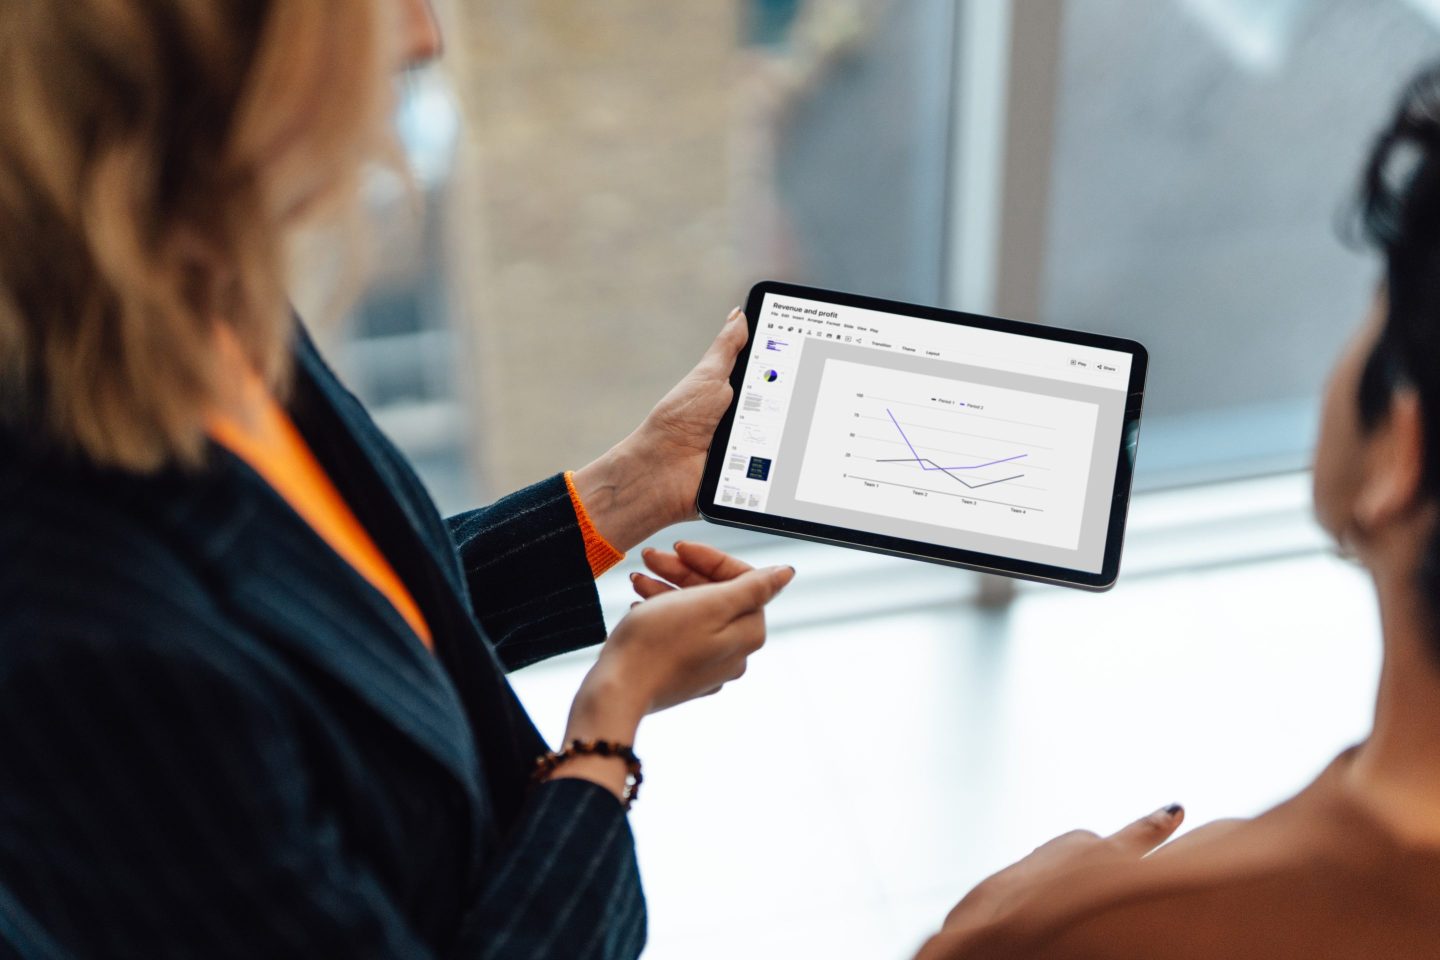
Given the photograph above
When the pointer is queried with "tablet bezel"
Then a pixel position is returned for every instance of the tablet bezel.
(915, 549)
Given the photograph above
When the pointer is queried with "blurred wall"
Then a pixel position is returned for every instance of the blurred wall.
(592, 238)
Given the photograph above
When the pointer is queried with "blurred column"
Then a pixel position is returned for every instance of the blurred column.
(599, 264)
(1002, 135)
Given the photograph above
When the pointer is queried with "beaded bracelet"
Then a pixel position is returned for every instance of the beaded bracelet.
(546, 764)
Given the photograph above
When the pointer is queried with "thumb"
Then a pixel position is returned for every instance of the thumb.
(751, 591)
(731, 339)
(1147, 833)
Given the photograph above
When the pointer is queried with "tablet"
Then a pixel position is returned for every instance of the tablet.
(984, 443)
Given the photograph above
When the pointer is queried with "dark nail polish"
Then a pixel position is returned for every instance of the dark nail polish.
(1174, 809)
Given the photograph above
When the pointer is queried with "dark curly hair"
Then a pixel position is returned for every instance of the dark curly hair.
(1399, 214)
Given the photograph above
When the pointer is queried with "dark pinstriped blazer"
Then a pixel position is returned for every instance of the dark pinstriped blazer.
(217, 740)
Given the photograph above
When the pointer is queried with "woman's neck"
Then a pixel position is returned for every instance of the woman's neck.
(1396, 773)
(242, 395)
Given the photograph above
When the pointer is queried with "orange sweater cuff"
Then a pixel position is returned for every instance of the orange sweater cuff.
(598, 551)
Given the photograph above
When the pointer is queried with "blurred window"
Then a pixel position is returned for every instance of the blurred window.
(1205, 151)
(631, 169)
(400, 348)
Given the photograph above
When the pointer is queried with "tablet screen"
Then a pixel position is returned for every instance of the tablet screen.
(916, 429)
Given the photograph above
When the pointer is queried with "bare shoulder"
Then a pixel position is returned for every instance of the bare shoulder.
(1240, 888)
(1190, 899)
(1209, 837)
(1220, 890)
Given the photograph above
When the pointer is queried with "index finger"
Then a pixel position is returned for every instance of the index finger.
(709, 562)
(1147, 833)
(750, 591)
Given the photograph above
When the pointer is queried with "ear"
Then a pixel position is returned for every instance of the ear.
(1395, 465)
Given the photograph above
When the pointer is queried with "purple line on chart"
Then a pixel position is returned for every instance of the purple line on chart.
(932, 465)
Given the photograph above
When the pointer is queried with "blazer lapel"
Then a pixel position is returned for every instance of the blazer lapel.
(398, 513)
(287, 585)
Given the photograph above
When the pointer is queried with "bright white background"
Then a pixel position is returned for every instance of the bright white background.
(894, 742)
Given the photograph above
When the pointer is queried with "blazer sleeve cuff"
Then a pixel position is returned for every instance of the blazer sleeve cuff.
(528, 574)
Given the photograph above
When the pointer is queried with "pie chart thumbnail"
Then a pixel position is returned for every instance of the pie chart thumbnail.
(771, 376)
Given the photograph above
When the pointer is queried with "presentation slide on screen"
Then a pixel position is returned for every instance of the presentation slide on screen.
(986, 441)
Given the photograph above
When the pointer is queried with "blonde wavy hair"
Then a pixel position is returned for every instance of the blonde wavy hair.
(157, 159)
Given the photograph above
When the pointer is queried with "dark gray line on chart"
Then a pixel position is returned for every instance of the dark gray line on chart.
(946, 470)
(962, 433)
(1029, 465)
(1018, 486)
(944, 493)
(966, 413)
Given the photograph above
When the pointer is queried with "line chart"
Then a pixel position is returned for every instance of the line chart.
(1016, 462)
(927, 464)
